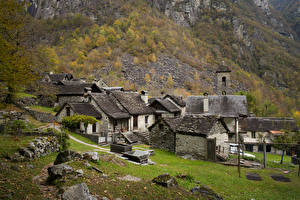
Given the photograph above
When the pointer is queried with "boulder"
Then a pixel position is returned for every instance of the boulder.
(137, 156)
(207, 192)
(66, 156)
(79, 172)
(92, 156)
(78, 192)
(165, 180)
(59, 171)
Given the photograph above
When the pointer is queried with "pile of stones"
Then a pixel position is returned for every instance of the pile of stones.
(40, 146)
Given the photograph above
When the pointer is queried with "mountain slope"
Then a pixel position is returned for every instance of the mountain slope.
(290, 10)
(172, 44)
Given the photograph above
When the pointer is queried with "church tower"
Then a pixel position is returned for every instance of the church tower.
(223, 79)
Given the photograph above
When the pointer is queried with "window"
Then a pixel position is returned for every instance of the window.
(94, 128)
(253, 134)
(68, 109)
(224, 81)
(146, 119)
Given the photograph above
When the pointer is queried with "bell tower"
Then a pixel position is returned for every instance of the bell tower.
(223, 79)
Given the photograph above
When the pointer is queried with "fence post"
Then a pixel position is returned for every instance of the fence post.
(265, 154)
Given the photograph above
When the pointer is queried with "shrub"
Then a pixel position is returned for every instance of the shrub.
(62, 137)
(72, 122)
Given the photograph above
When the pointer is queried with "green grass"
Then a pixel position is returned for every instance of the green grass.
(75, 146)
(23, 95)
(10, 144)
(43, 109)
(222, 179)
(273, 160)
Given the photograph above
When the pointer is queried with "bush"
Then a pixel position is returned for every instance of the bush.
(62, 137)
(72, 122)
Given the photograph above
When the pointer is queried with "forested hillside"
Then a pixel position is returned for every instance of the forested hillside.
(290, 10)
(165, 46)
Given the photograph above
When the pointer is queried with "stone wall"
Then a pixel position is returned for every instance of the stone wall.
(41, 116)
(92, 137)
(196, 146)
(162, 137)
(219, 132)
(40, 146)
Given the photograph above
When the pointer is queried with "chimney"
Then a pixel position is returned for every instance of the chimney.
(144, 96)
(205, 103)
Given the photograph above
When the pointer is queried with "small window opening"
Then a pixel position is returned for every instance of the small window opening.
(68, 111)
(224, 81)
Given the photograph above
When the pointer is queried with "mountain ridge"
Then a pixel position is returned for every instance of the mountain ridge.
(263, 57)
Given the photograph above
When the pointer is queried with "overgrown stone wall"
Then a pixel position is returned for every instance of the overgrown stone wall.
(196, 146)
(162, 137)
(40, 146)
(41, 116)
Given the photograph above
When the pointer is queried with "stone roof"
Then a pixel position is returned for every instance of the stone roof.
(222, 106)
(109, 107)
(77, 89)
(177, 99)
(267, 124)
(167, 104)
(132, 102)
(223, 68)
(191, 125)
(82, 109)
(85, 109)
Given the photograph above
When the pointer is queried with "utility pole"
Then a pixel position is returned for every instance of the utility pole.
(265, 154)
(238, 142)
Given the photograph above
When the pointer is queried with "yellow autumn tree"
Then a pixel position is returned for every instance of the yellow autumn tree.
(15, 67)
(170, 82)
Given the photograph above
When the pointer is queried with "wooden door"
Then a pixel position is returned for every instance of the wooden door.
(211, 149)
(135, 122)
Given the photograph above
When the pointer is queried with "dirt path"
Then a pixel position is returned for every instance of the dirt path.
(47, 191)
(91, 145)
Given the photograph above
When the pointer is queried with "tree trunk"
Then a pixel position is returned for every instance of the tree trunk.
(9, 96)
(281, 161)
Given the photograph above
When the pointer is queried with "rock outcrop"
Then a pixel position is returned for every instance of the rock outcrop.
(59, 171)
(78, 192)
(165, 180)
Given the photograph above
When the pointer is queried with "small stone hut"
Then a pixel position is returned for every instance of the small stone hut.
(196, 136)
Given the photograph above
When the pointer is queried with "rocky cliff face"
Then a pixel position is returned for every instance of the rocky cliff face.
(188, 12)
(264, 5)
(94, 9)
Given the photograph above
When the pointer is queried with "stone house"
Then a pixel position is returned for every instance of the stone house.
(196, 136)
(70, 93)
(268, 128)
(229, 108)
(165, 108)
(136, 105)
(114, 118)
(168, 106)
(70, 109)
